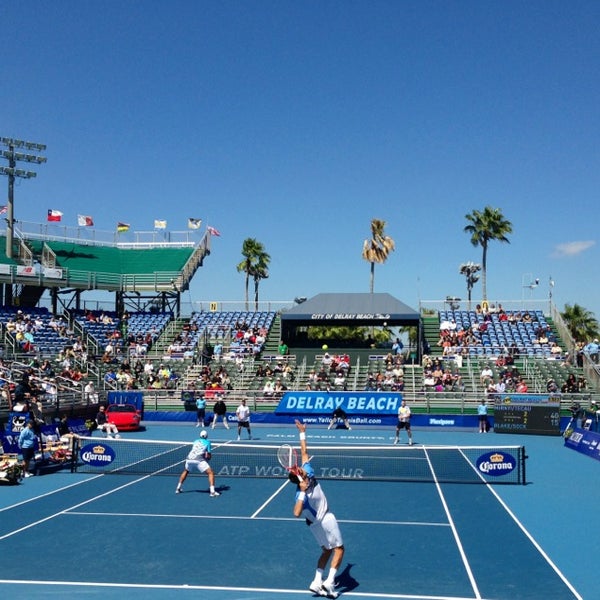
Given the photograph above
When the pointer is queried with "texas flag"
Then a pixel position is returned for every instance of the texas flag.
(54, 215)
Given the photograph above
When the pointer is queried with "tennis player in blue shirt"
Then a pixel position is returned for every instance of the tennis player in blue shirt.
(197, 459)
(311, 503)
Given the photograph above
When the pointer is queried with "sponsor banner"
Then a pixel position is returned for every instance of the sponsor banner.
(496, 463)
(323, 420)
(354, 403)
(584, 441)
(27, 271)
(5, 269)
(524, 399)
(52, 273)
(97, 454)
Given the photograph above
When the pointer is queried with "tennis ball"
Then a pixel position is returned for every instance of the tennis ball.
(324, 346)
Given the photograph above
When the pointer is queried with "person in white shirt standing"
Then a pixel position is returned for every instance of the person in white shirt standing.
(243, 416)
(404, 415)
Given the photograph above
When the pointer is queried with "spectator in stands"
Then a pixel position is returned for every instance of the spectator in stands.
(570, 385)
(261, 371)
(111, 377)
(551, 386)
(90, 394)
(522, 387)
(371, 384)
(279, 388)
(283, 349)
(397, 347)
(486, 376)
(339, 381)
(592, 350)
(288, 372)
(269, 388)
(218, 351)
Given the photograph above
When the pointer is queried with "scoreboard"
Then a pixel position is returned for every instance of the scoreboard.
(520, 417)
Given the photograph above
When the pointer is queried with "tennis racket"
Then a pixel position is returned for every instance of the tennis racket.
(288, 459)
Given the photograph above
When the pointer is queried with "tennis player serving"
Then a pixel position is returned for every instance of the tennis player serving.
(311, 504)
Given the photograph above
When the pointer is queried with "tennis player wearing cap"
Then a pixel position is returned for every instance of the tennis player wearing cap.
(311, 504)
(198, 459)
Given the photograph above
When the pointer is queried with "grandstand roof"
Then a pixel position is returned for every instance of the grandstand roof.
(357, 308)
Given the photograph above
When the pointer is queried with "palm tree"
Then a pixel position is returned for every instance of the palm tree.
(260, 271)
(255, 265)
(484, 227)
(378, 248)
(581, 323)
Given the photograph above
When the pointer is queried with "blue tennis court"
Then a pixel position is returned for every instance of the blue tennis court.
(116, 535)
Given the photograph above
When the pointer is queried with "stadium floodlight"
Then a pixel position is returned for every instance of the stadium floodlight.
(11, 171)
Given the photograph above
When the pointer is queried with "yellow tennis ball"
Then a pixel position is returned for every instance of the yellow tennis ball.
(324, 346)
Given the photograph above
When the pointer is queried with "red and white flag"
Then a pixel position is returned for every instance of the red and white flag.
(54, 215)
(3, 209)
(213, 231)
(85, 221)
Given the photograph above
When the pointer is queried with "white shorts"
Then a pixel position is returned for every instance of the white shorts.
(327, 532)
(199, 465)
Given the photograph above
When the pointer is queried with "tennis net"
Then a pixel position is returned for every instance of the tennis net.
(444, 464)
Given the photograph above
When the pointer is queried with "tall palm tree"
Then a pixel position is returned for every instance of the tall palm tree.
(378, 248)
(484, 227)
(255, 265)
(260, 271)
(581, 323)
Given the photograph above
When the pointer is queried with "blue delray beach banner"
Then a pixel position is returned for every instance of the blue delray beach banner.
(584, 441)
(354, 403)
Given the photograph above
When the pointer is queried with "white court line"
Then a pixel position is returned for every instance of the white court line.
(455, 532)
(62, 512)
(223, 589)
(66, 487)
(535, 544)
(252, 517)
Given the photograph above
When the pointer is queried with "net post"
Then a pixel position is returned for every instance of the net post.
(522, 459)
(74, 454)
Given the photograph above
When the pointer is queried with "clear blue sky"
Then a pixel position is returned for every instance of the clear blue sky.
(296, 123)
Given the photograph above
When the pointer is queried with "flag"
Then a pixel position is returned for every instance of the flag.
(85, 221)
(54, 215)
(160, 224)
(3, 209)
(213, 231)
(122, 227)
(194, 223)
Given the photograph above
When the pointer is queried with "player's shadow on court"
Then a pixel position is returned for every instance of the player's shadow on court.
(218, 488)
(345, 582)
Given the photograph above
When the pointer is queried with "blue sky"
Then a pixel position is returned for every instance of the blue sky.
(296, 123)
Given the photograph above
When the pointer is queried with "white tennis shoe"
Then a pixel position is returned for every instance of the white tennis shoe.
(315, 586)
(328, 589)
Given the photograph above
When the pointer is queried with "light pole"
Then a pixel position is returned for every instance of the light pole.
(533, 283)
(11, 171)
(470, 270)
